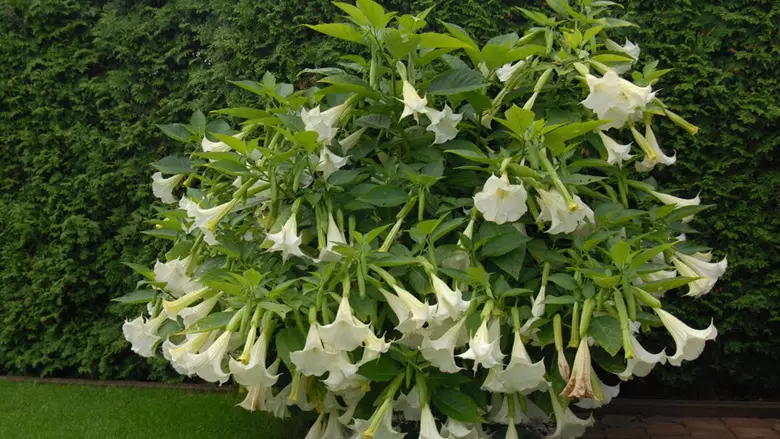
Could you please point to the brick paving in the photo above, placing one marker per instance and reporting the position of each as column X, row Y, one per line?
column 667, row 427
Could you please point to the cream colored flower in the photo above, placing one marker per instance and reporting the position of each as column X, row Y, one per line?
column 689, row 342
column 567, row 424
column 346, row 332
column 484, row 346
column 616, row 153
column 449, row 302
column 412, row 314
column 206, row 219
column 324, row 123
column 173, row 307
column 441, row 351
column 287, row 240
column 163, row 187
column 522, row 375
column 607, row 394
column 699, row 265
column 414, row 105
column 329, row 162
column 678, row 202
column 443, row 124
column 192, row 345
column 208, row 364
column 643, row 361
column 579, row 385
column 192, row 314
column 507, row 70
column 561, row 218
column 501, row 202
column 628, row 48
column 409, row 404
column 254, row 371
column 334, row 237
column 428, row 428
column 314, row 359
column 174, row 275
column 142, row 333
column 614, row 99
column 653, row 153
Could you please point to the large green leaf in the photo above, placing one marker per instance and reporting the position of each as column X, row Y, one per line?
column 455, row 81
column 456, row 405
column 211, row 322
column 343, row 31
column 174, row 165
column 381, row 370
column 385, row 196
column 140, row 296
column 606, row 331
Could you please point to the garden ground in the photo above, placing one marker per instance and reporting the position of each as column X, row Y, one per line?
column 59, row 411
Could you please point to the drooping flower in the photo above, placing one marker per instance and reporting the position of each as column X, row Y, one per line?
column 333, row 429
column 441, row 351
column 314, row 359
column 653, row 153
column 174, row 275
column 501, row 202
column 450, row 303
column 344, row 376
column 507, row 70
column 643, row 361
column 346, row 332
column 628, row 48
column 537, row 310
column 287, row 240
column 689, row 342
column 411, row 313
column 492, row 384
column 163, row 187
column 329, row 162
column 606, row 394
column 414, row 105
column 409, row 404
column 218, row 146
column 579, row 385
column 616, row 153
column 173, row 307
column 206, row 219
column 176, row 353
column 255, row 398
column 192, row 314
column 699, row 265
column 208, row 364
column 384, row 430
column 324, row 123
column 318, row 428
column 334, row 237
column 522, row 375
column 458, row 430
column 562, row 219
column 351, row 140
column 142, row 333
column 428, row 428
column 443, row 124
column 254, row 371
column 373, row 348
column 500, row 412
column 567, row 424
column 614, row 99
column 678, row 202
column 484, row 347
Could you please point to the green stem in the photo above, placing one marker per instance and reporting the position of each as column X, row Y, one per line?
column 624, row 325
column 397, row 226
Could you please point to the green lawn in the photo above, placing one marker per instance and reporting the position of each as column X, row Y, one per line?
column 29, row 410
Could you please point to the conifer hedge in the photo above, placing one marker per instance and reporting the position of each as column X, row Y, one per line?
column 85, row 82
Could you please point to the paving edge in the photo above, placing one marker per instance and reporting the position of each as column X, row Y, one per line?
column 195, row 387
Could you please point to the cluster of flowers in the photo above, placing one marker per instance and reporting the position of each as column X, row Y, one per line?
column 219, row 334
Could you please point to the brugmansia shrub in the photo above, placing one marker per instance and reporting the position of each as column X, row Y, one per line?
column 461, row 235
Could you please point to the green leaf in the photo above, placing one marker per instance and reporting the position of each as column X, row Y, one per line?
column 345, row 177
column 278, row 308
column 660, row 286
column 559, row 300
column 641, row 257
column 609, row 58
column 385, row 196
column 140, row 296
column 615, row 22
column 455, row 81
column 503, row 243
column 175, row 131
column 620, row 253
column 251, row 86
column 517, row 119
column 686, row 211
column 563, row 280
column 446, row 228
column 243, row 113
column 381, row 370
column 289, row 340
column 379, row 121
column 606, row 331
column 211, row 322
column 556, row 138
column 471, row 155
column 456, row 405
column 433, row 40
column 512, row 262
column 174, row 165
column 460, row 33
column 343, row 31
column 143, row 270
column 580, row 179
column 168, row 328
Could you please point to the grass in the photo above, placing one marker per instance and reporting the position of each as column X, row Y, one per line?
column 44, row 411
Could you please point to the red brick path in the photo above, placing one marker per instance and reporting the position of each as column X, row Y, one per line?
column 663, row 427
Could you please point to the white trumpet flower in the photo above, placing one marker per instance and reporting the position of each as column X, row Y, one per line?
column 344, row 376
column 699, row 265
column 176, row 353
column 500, row 413
column 483, row 347
column 507, row 70
column 173, row 307
column 689, row 342
column 643, row 361
column 567, row 424
column 443, row 124
column 607, row 394
column 614, row 99
column 522, row 375
column 409, row 404
column 346, row 332
column 206, row 219
column 450, row 303
column 255, row 398
column 562, row 219
column 316, row 431
column 324, row 123
column 441, row 351
column 192, row 314
column 628, row 48
column 329, row 162
column 616, row 153
column 208, row 364
column 492, row 384
column 334, row 237
column 163, row 187
column 458, row 430
column 351, row 141
column 373, row 348
column 412, row 314
column 579, row 384
column 174, row 275
column 384, row 430
column 414, row 105
column 218, row 146
column 501, row 202
column 655, row 155
column 287, row 240
column 254, row 371
column 142, row 333
column 428, row 428
column 678, row 202
column 314, row 359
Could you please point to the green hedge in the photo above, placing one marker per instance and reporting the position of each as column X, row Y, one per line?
column 84, row 83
